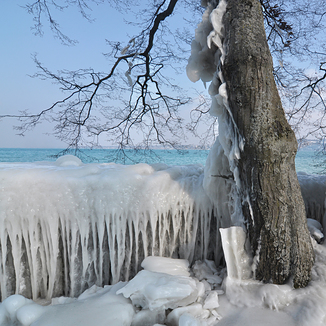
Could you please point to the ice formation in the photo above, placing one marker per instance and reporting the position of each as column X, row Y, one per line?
column 316, row 230
column 193, row 301
column 66, row 225
column 221, row 167
column 236, row 253
column 313, row 189
column 154, row 290
column 69, row 229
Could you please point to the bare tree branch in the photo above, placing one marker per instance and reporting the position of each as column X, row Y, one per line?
column 135, row 96
column 91, row 108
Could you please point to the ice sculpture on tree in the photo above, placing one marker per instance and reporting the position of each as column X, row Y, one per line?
column 257, row 141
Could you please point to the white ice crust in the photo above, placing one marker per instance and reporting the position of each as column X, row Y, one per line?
column 78, row 218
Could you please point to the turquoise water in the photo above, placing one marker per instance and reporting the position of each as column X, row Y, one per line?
column 306, row 160
column 170, row 157
column 310, row 161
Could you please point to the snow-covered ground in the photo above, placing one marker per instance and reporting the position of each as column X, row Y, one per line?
column 167, row 292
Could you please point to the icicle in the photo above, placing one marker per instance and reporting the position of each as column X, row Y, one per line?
column 208, row 47
column 131, row 43
column 67, row 226
column 236, row 249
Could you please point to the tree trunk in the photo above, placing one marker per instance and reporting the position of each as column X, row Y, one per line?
column 272, row 201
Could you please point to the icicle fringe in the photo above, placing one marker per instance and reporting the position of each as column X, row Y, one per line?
column 65, row 229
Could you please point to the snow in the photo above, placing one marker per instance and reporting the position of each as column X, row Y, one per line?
column 257, row 317
column 157, row 298
column 103, row 306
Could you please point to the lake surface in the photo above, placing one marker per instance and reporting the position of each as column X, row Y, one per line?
column 306, row 160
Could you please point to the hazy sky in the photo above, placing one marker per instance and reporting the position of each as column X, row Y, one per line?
column 18, row 91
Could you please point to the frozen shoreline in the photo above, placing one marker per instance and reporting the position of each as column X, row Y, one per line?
column 73, row 194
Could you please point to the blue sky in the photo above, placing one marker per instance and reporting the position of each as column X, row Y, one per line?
column 18, row 91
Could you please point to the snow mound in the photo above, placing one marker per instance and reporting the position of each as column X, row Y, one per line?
column 68, row 160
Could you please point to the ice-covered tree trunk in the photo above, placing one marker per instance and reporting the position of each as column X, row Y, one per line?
column 271, row 197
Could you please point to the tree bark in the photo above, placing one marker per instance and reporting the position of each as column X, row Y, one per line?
column 272, row 203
